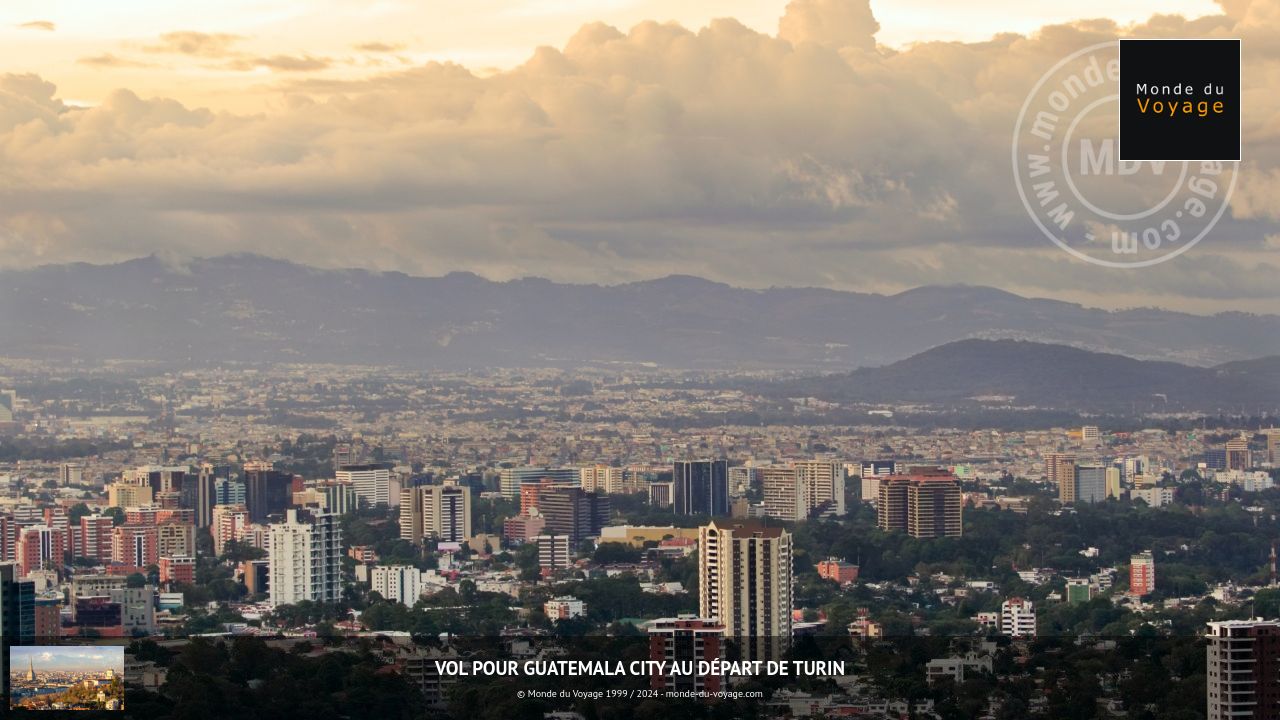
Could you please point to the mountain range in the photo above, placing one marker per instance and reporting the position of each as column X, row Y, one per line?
column 993, row 373
column 253, row 308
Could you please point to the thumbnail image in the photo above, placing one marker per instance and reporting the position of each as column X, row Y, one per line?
column 66, row 678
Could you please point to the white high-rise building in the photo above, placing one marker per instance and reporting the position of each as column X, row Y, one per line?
column 371, row 481
column 305, row 559
column 601, row 478
column 510, row 480
column 442, row 512
column 802, row 490
column 1018, row 618
column 745, row 579
column 401, row 583
column 1240, row 673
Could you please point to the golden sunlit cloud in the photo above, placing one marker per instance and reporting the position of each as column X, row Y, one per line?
column 44, row 25
column 808, row 152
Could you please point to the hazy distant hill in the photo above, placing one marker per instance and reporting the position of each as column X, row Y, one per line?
column 1052, row 376
column 254, row 308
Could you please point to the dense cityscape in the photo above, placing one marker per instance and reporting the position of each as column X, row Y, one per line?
column 395, row 519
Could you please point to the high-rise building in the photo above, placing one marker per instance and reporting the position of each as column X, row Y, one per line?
column 123, row 494
column 1113, row 482
column 135, row 546
column 17, row 608
column 701, row 487
column 268, row 491
column 511, row 480
column 398, row 583
column 685, row 639
column 744, row 584
column 331, row 496
column 305, row 559
column 1238, row 454
column 554, row 553
column 1242, row 672
column 1142, row 574
column 228, row 492
column 1060, row 472
column 573, row 512
column 95, row 537
column 870, row 472
column 1273, row 445
column 925, row 504
column 17, row 613
column 160, row 478
column 442, row 512
column 40, row 546
column 601, row 478
column 230, row 522
column 802, row 490
column 785, row 494
column 206, row 495
column 174, row 539
column 1018, row 618
column 1091, row 483
column 826, row 483
column 70, row 474
column 742, row 479
column 371, row 482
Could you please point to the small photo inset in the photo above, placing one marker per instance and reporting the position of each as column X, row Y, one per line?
column 66, row 677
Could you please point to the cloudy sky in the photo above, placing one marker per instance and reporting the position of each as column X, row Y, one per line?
column 93, row 659
column 828, row 143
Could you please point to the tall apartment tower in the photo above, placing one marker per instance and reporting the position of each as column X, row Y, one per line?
column 305, row 559
column 1242, row 672
column 442, row 512
column 1060, row 472
column 825, row 481
column 95, row 537
column 267, row 491
column 206, row 495
column 372, row 482
column 17, row 614
column 801, row 490
column 573, row 512
column 601, row 478
column 701, row 487
column 745, row 576
column 926, row 504
column 1091, row 483
column 785, row 495
column 1142, row 574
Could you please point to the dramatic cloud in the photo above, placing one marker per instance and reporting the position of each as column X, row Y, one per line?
column 186, row 42
column 44, row 25
column 811, row 157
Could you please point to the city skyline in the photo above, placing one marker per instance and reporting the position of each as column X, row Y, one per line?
column 65, row 659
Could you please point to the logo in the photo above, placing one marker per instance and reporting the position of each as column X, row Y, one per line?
column 1082, row 196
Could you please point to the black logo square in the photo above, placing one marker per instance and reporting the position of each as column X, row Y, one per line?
column 1179, row 99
